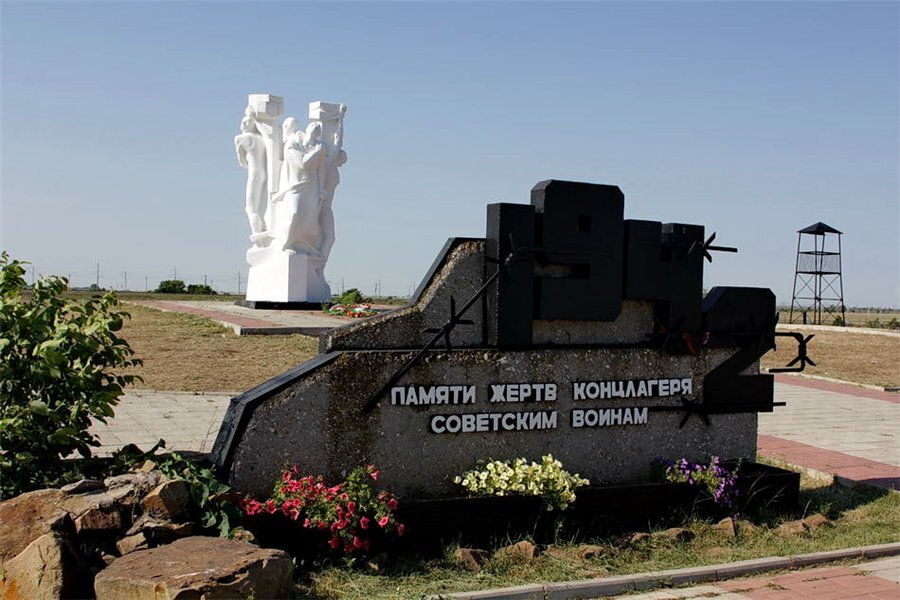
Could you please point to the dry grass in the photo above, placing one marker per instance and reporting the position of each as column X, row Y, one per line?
column 845, row 355
column 184, row 352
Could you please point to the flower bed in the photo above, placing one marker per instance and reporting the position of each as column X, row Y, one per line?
column 357, row 311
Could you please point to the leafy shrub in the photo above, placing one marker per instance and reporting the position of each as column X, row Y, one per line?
column 874, row 323
column 547, row 480
column 200, row 289
column 57, row 362
column 838, row 322
column 893, row 323
column 350, row 512
column 171, row 286
column 352, row 296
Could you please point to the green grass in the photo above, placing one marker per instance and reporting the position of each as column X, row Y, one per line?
column 860, row 516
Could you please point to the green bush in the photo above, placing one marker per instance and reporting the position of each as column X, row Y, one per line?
column 171, row 286
column 57, row 358
column 352, row 296
column 200, row 289
column 838, row 322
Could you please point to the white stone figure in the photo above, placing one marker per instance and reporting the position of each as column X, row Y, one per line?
column 300, row 203
column 251, row 154
column 300, row 174
column 266, row 110
column 331, row 116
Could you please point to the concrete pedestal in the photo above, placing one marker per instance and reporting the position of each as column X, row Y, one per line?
column 276, row 276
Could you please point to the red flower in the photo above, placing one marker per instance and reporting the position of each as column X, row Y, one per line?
column 364, row 523
column 392, row 504
column 334, row 542
column 383, row 521
column 400, row 529
column 374, row 475
column 351, row 507
column 306, row 523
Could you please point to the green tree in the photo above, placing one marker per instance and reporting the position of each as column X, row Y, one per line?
column 171, row 286
column 60, row 361
column 200, row 289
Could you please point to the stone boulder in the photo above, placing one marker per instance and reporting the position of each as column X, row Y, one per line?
column 471, row 558
column 168, row 500
column 197, row 567
column 27, row 517
column 520, row 552
column 49, row 567
column 676, row 534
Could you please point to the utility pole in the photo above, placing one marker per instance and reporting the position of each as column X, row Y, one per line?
column 204, row 279
column 32, row 275
column 175, row 273
column 98, row 276
column 146, row 283
column 239, row 282
column 125, row 274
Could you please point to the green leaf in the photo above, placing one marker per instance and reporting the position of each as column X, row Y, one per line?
column 39, row 407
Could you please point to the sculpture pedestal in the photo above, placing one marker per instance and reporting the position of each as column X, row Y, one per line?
column 279, row 277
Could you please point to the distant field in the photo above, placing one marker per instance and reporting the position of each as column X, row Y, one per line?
column 855, row 318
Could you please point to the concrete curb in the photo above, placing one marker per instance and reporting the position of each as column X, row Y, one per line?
column 612, row 586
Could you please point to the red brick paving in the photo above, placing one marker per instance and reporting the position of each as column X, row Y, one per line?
column 830, row 461
column 827, row 583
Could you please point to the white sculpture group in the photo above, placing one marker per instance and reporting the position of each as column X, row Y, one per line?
column 291, row 178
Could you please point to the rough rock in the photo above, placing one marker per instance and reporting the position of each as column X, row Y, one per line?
column 815, row 521
column 99, row 520
column 726, row 527
column 27, row 517
column 678, row 534
column 378, row 562
column 582, row 552
column 150, row 524
column 791, row 528
column 197, row 567
column 128, row 488
column 523, row 551
column 634, row 539
column 47, row 568
column 144, row 467
column 130, row 543
column 165, row 532
column 168, row 500
column 82, row 485
column 471, row 558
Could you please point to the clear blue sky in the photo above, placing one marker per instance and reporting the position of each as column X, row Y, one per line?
column 754, row 119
